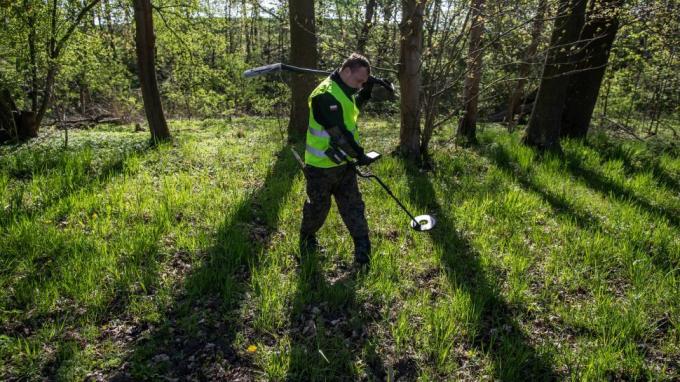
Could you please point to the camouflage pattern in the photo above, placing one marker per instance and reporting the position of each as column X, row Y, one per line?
column 341, row 182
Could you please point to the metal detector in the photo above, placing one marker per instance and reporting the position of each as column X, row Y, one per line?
column 418, row 223
column 279, row 67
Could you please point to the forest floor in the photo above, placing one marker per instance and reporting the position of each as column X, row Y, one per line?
column 123, row 262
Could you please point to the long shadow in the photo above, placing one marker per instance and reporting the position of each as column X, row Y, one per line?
column 329, row 327
column 109, row 171
column 614, row 190
column 610, row 150
column 559, row 204
column 197, row 337
column 498, row 333
column 51, row 259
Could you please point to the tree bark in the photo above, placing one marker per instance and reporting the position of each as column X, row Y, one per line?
column 525, row 65
column 543, row 131
column 366, row 27
column 8, row 113
column 145, row 40
column 596, row 41
column 303, row 52
column 410, row 53
column 467, row 127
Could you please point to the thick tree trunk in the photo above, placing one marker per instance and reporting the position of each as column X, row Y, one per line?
column 596, row 39
column 543, row 131
column 467, row 127
column 409, row 76
column 366, row 27
column 303, row 52
column 525, row 66
column 145, row 40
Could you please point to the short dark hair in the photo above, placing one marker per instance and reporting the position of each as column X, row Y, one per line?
column 355, row 60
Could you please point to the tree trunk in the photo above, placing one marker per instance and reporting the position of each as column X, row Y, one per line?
column 109, row 28
column 8, row 111
column 596, row 39
column 303, row 52
column 366, row 27
column 385, row 38
column 410, row 52
column 32, row 57
column 525, row 65
column 145, row 40
column 467, row 126
column 543, row 131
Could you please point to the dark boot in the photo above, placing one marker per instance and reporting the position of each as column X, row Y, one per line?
column 308, row 244
column 362, row 250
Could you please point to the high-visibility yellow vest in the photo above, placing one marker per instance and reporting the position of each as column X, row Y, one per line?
column 318, row 139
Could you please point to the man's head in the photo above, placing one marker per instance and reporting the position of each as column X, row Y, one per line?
column 355, row 71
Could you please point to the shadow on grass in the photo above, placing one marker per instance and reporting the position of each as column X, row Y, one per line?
column 559, row 204
column 609, row 188
column 328, row 326
column 498, row 334
column 611, row 150
column 197, row 336
column 562, row 206
column 80, row 179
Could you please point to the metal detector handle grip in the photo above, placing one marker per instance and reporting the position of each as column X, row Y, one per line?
column 262, row 70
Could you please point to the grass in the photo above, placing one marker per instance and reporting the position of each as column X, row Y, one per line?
column 122, row 261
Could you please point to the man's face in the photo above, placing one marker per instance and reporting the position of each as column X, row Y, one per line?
column 355, row 78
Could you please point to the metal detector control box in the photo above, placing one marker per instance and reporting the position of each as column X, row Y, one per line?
column 373, row 155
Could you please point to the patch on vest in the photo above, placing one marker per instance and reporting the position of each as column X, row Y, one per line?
column 334, row 107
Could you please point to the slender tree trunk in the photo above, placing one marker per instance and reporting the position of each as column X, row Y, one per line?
column 32, row 57
column 303, row 52
column 410, row 53
column 525, row 66
column 109, row 27
column 385, row 40
column 366, row 27
column 55, row 47
column 467, row 127
column 543, row 131
column 596, row 39
column 145, row 40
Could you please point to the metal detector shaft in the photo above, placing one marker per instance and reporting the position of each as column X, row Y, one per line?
column 278, row 67
column 389, row 192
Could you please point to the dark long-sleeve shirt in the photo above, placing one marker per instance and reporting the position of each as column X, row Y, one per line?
column 328, row 111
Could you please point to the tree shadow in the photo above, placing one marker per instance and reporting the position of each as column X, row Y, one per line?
column 611, row 150
column 197, row 336
column 498, row 332
column 559, row 204
column 83, row 179
column 609, row 188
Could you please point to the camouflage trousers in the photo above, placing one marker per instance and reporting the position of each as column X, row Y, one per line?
column 341, row 182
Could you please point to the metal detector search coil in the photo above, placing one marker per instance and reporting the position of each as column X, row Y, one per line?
column 423, row 223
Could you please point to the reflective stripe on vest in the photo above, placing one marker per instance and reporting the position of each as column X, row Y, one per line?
column 318, row 139
column 315, row 152
column 318, row 133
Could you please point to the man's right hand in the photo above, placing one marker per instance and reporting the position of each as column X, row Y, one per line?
column 364, row 161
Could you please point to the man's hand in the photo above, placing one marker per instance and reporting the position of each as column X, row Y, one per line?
column 365, row 160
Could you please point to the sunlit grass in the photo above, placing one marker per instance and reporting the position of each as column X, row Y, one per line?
column 174, row 261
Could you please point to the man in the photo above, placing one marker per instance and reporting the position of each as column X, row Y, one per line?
column 332, row 134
